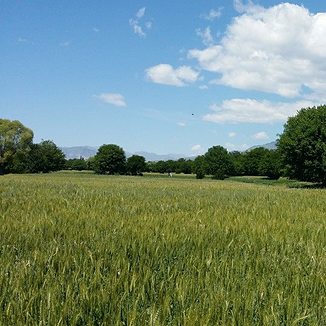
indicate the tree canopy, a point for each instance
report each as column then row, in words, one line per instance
column 218, row 162
column 136, row 164
column 45, row 157
column 110, row 159
column 15, row 140
column 303, row 145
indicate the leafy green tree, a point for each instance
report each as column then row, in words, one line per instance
column 200, row 166
column 110, row 159
column 45, row 157
column 253, row 159
column 90, row 163
column 160, row 166
column 15, row 142
column 303, row 145
column 271, row 165
column 183, row 166
column 219, row 163
column 136, row 164
column 237, row 159
column 78, row 164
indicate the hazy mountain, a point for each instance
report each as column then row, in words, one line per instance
column 88, row 151
column 159, row 157
column 79, row 151
column 271, row 145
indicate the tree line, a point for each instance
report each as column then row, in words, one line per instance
column 300, row 154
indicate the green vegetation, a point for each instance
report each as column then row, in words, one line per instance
column 110, row 159
column 15, row 141
column 86, row 249
column 303, row 145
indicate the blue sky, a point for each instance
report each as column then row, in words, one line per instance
column 160, row 76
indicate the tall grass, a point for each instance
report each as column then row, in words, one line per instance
column 99, row 250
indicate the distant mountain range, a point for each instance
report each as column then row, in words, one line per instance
column 89, row 151
column 271, row 145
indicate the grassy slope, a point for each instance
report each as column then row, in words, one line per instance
column 82, row 249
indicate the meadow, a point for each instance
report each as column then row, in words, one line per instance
column 82, row 249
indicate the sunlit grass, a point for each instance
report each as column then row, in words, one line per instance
column 81, row 249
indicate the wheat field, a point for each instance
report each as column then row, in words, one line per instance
column 82, row 249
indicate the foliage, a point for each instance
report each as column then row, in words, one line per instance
column 303, row 145
column 83, row 249
column 110, row 159
column 253, row 159
column 271, row 165
column 200, row 167
column 15, row 141
column 45, row 157
column 77, row 164
column 136, row 164
column 219, row 163
column 183, row 166
column 238, row 163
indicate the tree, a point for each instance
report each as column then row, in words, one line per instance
column 271, row 165
column 219, row 163
column 15, row 142
column 303, row 145
column 78, row 164
column 136, row 164
column 200, row 167
column 45, row 157
column 183, row 166
column 237, row 159
column 110, row 159
column 253, row 159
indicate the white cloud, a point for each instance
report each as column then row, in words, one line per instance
column 95, row 29
column 203, row 87
column 262, row 135
column 253, row 111
column 213, row 14
column 136, row 23
column 112, row 98
column 138, row 30
column 240, row 7
column 167, row 75
column 196, row 148
column 205, row 35
column 181, row 124
column 281, row 50
column 141, row 12
column 232, row 134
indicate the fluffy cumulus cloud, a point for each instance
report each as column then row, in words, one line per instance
column 167, row 75
column 262, row 135
column 281, row 50
column 138, row 26
column 253, row 111
column 112, row 98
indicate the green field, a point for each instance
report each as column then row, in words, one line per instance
column 81, row 249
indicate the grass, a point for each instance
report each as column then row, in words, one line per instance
column 82, row 249
column 270, row 182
